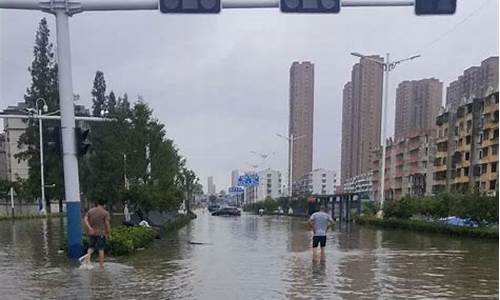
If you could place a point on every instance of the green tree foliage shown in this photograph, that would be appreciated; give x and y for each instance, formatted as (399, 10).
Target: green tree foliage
(132, 159)
(43, 72)
(99, 101)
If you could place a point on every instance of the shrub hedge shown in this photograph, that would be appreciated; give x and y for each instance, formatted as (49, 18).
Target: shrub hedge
(126, 240)
(419, 225)
(478, 207)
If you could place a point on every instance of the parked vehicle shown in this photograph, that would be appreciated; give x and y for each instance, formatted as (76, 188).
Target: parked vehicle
(227, 211)
(213, 207)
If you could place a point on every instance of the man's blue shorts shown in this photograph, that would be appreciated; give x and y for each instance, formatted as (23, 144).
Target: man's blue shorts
(319, 239)
(97, 242)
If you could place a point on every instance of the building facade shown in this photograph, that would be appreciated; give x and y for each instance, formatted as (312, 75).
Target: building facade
(211, 186)
(467, 147)
(317, 182)
(14, 129)
(417, 106)
(301, 117)
(235, 174)
(361, 117)
(4, 175)
(475, 82)
(360, 184)
(408, 166)
(270, 184)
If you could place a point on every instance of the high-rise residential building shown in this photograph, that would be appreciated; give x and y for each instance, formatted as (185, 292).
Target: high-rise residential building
(475, 82)
(361, 116)
(235, 174)
(417, 106)
(345, 162)
(269, 184)
(467, 147)
(301, 117)
(211, 186)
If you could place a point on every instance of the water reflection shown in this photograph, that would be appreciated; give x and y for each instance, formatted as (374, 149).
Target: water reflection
(251, 257)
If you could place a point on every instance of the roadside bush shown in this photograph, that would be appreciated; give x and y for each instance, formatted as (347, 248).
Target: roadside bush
(480, 208)
(126, 240)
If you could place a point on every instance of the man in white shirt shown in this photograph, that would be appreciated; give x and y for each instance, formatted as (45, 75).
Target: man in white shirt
(319, 222)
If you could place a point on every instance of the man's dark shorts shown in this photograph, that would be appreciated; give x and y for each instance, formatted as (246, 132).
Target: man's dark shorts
(97, 242)
(319, 240)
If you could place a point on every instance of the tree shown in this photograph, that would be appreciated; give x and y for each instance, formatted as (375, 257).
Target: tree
(99, 94)
(43, 72)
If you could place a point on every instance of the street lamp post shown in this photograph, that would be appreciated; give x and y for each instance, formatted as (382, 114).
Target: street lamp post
(291, 140)
(39, 111)
(388, 67)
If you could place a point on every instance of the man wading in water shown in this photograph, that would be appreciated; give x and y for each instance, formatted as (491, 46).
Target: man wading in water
(99, 228)
(319, 223)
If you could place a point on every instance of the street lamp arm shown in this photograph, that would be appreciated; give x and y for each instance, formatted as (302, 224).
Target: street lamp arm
(368, 58)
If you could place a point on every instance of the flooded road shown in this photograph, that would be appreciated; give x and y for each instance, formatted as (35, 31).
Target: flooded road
(252, 257)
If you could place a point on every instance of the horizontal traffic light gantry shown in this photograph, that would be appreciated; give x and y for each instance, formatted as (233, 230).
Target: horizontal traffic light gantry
(310, 6)
(190, 6)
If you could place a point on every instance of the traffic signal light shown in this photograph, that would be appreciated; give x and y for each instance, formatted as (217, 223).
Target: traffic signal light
(190, 6)
(435, 7)
(82, 143)
(54, 139)
(310, 6)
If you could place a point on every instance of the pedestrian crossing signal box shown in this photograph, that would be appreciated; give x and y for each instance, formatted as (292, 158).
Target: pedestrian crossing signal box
(190, 6)
(310, 6)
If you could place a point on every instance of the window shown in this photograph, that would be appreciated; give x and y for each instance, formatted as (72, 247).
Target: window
(494, 167)
(469, 125)
(484, 168)
(494, 150)
(324, 175)
(466, 171)
(493, 184)
(480, 153)
(467, 155)
(467, 140)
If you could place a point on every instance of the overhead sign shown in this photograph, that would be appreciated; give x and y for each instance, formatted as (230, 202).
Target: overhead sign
(248, 180)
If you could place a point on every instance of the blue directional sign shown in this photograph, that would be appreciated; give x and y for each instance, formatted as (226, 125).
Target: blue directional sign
(248, 180)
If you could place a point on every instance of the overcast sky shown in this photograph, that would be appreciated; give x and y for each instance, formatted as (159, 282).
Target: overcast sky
(220, 82)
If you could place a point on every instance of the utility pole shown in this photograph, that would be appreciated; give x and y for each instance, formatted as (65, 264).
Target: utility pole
(39, 111)
(388, 66)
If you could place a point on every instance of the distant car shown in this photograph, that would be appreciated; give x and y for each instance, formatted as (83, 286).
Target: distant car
(213, 207)
(227, 211)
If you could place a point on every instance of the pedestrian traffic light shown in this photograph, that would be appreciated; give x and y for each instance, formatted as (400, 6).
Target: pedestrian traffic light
(435, 7)
(190, 6)
(54, 140)
(310, 6)
(82, 143)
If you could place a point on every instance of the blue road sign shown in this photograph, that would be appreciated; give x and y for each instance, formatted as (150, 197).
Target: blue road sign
(248, 180)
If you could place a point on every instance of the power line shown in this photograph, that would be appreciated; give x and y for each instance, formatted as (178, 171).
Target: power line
(443, 35)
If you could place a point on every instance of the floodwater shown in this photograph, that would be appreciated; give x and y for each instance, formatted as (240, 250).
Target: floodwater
(252, 257)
